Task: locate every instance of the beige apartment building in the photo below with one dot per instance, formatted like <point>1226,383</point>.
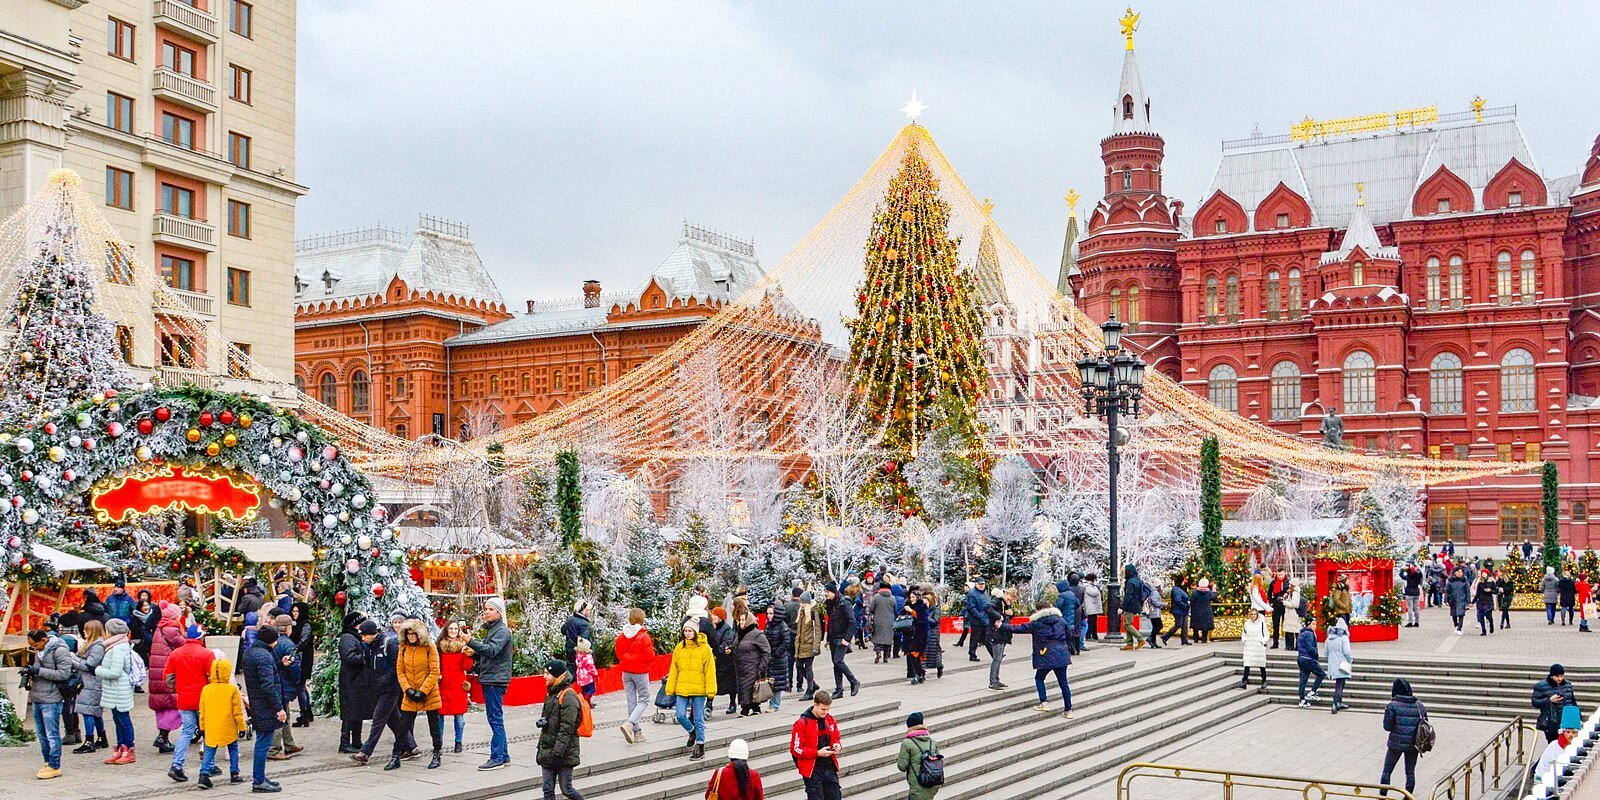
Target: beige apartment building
<point>180,117</point>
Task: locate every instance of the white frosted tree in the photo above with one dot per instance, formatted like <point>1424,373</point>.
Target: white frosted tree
<point>1010,537</point>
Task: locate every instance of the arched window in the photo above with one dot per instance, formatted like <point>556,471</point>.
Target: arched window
<point>1294,293</point>
<point>1358,273</point>
<point>1233,298</point>
<point>1528,287</point>
<point>1127,180</point>
<point>590,378</point>
<point>1222,388</point>
<point>494,384</point>
<point>300,384</point>
<point>1360,383</point>
<point>1133,309</point>
<point>360,393</point>
<point>1435,283</point>
<point>1273,300</point>
<point>1285,390</point>
<point>1127,106</point>
<point>1213,308</point>
<point>1444,384</point>
<point>400,387</point>
<point>1116,304</point>
<point>328,389</point>
<point>1516,381</point>
<point>1502,273</point>
<point>1458,282</point>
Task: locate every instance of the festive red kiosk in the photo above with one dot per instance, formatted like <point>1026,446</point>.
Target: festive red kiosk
<point>1371,582</point>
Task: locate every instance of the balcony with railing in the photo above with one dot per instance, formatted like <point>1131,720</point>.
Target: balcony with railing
<point>186,20</point>
<point>169,84</point>
<point>175,377</point>
<point>185,232</point>
<point>183,301</point>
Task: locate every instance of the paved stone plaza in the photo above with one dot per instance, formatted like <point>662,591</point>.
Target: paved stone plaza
<point>1276,739</point>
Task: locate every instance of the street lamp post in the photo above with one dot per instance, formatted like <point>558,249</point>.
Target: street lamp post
<point>1112,385</point>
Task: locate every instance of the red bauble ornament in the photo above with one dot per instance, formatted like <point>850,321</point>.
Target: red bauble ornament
<point>50,428</point>
<point>303,525</point>
<point>340,598</point>
<point>377,590</point>
<point>226,417</point>
<point>163,414</point>
<point>111,393</point>
<point>146,427</point>
<point>206,418</point>
<point>889,466</point>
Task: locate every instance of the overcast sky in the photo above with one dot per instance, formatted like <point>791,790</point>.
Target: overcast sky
<point>575,137</point>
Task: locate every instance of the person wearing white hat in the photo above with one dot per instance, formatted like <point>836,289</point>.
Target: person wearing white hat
<point>736,780</point>
<point>491,656</point>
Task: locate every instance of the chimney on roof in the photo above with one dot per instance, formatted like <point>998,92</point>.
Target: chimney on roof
<point>530,306</point>
<point>591,294</point>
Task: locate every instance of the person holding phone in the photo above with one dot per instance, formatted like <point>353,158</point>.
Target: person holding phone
<point>814,745</point>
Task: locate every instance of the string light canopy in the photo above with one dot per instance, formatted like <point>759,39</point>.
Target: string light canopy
<point>769,374</point>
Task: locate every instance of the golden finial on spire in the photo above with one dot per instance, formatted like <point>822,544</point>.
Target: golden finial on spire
<point>1361,194</point>
<point>1130,23</point>
<point>987,207</point>
<point>1072,197</point>
<point>1477,106</point>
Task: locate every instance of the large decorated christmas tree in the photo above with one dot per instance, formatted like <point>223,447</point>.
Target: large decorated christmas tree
<point>914,345</point>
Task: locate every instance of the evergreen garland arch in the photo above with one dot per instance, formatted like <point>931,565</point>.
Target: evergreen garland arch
<point>55,461</point>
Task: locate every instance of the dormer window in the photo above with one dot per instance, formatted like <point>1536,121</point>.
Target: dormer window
<point>1514,199</point>
<point>299,285</point>
<point>1127,106</point>
<point>1221,225</point>
<point>1283,219</point>
<point>328,282</point>
<point>1444,205</point>
<point>1358,272</point>
<point>1127,180</point>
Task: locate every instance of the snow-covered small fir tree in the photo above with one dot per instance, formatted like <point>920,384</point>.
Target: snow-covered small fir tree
<point>642,562</point>
<point>1010,539</point>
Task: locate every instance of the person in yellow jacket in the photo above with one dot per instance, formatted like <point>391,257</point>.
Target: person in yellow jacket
<point>691,682</point>
<point>418,669</point>
<point>221,720</point>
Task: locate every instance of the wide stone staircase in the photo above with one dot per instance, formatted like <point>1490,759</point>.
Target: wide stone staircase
<point>996,745</point>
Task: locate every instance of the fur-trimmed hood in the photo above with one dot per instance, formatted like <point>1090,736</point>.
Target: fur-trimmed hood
<point>1045,613</point>
<point>424,638</point>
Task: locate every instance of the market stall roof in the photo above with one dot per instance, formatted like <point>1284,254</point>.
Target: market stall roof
<point>460,539</point>
<point>672,534</point>
<point>269,551</point>
<point>398,492</point>
<point>65,562</point>
<point>1319,528</point>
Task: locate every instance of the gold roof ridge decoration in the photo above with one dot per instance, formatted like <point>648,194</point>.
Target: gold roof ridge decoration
<point>1310,129</point>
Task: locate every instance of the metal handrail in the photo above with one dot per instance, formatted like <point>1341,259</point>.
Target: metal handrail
<point>1229,780</point>
<point>1474,770</point>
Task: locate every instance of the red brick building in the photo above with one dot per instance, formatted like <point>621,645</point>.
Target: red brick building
<point>1415,271</point>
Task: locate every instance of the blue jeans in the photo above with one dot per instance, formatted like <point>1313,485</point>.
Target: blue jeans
<point>123,720</point>
<point>258,761</point>
<point>777,700</point>
<point>494,711</point>
<point>47,724</point>
<point>1550,613</point>
<point>208,758</point>
<point>691,714</point>
<point>1309,667</point>
<point>93,725</point>
<point>461,725</point>
<point>186,735</point>
<point>1061,680</point>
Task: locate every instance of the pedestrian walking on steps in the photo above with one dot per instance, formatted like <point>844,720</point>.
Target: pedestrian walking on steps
<point>558,732</point>
<point>1051,655</point>
<point>839,621</point>
<point>723,641</point>
<point>1504,592</point>
<point>1341,662</point>
<point>1133,596</point>
<point>814,745</point>
<point>1413,576</point>
<point>1483,593</point>
<point>1179,605</point>
<point>976,615</point>
<point>692,682</point>
<point>1457,594</point>
<point>735,780</point>
<point>1253,640</point>
<point>999,637</point>
<point>1401,718</point>
<point>1306,658</point>
<point>780,640</point>
<point>933,656</point>
<point>1201,615</point>
<point>420,675</point>
<point>1551,697</point>
<point>1277,589</point>
<point>636,653</point>
<point>914,636</point>
<point>752,664</point>
<point>917,744</point>
<point>808,631</point>
<point>1094,605</point>
<point>1548,592</point>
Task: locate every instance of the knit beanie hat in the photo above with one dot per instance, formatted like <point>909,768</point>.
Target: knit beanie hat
<point>556,668</point>
<point>1557,669</point>
<point>267,635</point>
<point>914,719</point>
<point>738,750</point>
<point>368,628</point>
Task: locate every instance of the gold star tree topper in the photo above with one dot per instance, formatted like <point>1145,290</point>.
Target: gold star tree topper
<point>1130,23</point>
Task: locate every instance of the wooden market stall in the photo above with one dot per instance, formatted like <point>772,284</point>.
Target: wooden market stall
<point>269,557</point>
<point>460,564</point>
<point>27,604</point>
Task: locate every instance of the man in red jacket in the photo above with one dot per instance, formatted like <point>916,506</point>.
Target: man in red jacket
<point>814,744</point>
<point>187,672</point>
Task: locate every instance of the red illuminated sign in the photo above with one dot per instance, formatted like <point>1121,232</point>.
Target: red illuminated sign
<point>167,487</point>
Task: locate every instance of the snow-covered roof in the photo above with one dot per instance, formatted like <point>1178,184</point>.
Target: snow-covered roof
<point>1132,87</point>
<point>458,539</point>
<point>1360,234</point>
<point>63,561</point>
<point>269,551</point>
<point>437,257</point>
<point>1392,165</point>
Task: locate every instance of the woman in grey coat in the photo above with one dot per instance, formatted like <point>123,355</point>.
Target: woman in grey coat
<point>881,610</point>
<point>1549,589</point>
<point>91,651</point>
<point>1457,592</point>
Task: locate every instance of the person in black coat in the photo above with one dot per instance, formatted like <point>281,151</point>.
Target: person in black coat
<point>1567,593</point>
<point>1401,718</point>
<point>264,693</point>
<point>382,682</point>
<point>1180,607</point>
<point>355,703</point>
<point>840,621</point>
<point>780,640</point>
<point>915,638</point>
<point>577,627</point>
<point>724,639</point>
<point>1550,697</point>
<point>1051,653</point>
<point>305,640</point>
<point>92,607</point>
<point>999,613</point>
<point>1202,619</point>
<point>752,662</point>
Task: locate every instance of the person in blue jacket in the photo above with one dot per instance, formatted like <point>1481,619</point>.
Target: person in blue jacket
<point>267,710</point>
<point>1067,603</point>
<point>1051,653</point>
<point>976,615</point>
<point>1179,606</point>
<point>1306,657</point>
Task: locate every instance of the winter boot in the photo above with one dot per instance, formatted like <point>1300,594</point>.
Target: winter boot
<point>434,762</point>
<point>204,781</point>
<point>699,752</point>
<point>394,762</point>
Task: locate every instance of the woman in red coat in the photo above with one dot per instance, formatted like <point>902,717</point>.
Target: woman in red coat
<point>168,636</point>
<point>736,780</point>
<point>454,664</point>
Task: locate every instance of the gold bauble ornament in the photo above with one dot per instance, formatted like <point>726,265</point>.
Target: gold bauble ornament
<point>245,420</point>
<point>193,435</point>
<point>213,449</point>
<point>229,439</point>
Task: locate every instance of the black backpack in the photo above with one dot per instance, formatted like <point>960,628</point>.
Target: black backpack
<point>930,768</point>
<point>1426,736</point>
